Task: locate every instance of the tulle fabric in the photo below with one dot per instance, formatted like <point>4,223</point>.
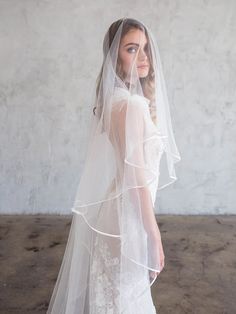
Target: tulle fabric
<point>110,250</point>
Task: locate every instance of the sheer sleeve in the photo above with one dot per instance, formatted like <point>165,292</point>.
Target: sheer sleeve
<point>131,127</point>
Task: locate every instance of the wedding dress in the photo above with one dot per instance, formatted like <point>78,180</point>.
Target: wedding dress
<point>110,250</point>
<point>105,261</point>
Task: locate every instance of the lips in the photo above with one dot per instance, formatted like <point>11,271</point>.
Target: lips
<point>143,66</point>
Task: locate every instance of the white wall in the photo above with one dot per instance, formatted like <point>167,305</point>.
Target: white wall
<point>50,53</point>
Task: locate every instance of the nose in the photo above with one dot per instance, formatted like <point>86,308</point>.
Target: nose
<point>142,55</point>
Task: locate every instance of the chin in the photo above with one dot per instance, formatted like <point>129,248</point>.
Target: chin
<point>143,73</point>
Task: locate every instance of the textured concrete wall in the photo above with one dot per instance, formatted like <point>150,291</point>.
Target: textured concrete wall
<point>50,53</point>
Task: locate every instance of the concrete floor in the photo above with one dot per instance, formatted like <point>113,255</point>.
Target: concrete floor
<point>199,275</point>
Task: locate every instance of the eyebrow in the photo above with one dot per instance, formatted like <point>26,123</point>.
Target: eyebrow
<point>133,44</point>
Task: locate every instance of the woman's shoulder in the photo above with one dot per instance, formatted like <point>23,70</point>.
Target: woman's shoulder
<point>121,94</point>
<point>132,107</point>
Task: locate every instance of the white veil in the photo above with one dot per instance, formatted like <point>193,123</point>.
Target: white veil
<point>131,153</point>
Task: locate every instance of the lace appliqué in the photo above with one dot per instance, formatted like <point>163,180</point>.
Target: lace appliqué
<point>104,279</point>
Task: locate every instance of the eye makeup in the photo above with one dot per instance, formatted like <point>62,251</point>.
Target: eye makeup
<point>135,47</point>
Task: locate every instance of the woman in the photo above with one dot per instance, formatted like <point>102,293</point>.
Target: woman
<point>114,251</point>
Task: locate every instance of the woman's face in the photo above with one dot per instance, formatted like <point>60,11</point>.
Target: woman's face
<point>133,52</point>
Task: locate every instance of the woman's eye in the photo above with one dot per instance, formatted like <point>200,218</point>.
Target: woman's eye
<point>132,49</point>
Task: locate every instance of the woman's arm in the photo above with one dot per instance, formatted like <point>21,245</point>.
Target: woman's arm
<point>132,130</point>
<point>131,133</point>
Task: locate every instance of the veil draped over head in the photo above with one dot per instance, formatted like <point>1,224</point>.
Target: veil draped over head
<point>131,154</point>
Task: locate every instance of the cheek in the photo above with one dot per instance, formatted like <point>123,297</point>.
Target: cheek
<point>127,59</point>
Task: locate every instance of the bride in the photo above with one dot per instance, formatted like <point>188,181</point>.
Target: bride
<point>114,251</point>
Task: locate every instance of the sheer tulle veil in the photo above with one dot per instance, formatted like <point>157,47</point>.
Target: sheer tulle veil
<point>130,149</point>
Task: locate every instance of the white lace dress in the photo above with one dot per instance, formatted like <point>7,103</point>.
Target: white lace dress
<point>105,288</point>
<point>105,292</point>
